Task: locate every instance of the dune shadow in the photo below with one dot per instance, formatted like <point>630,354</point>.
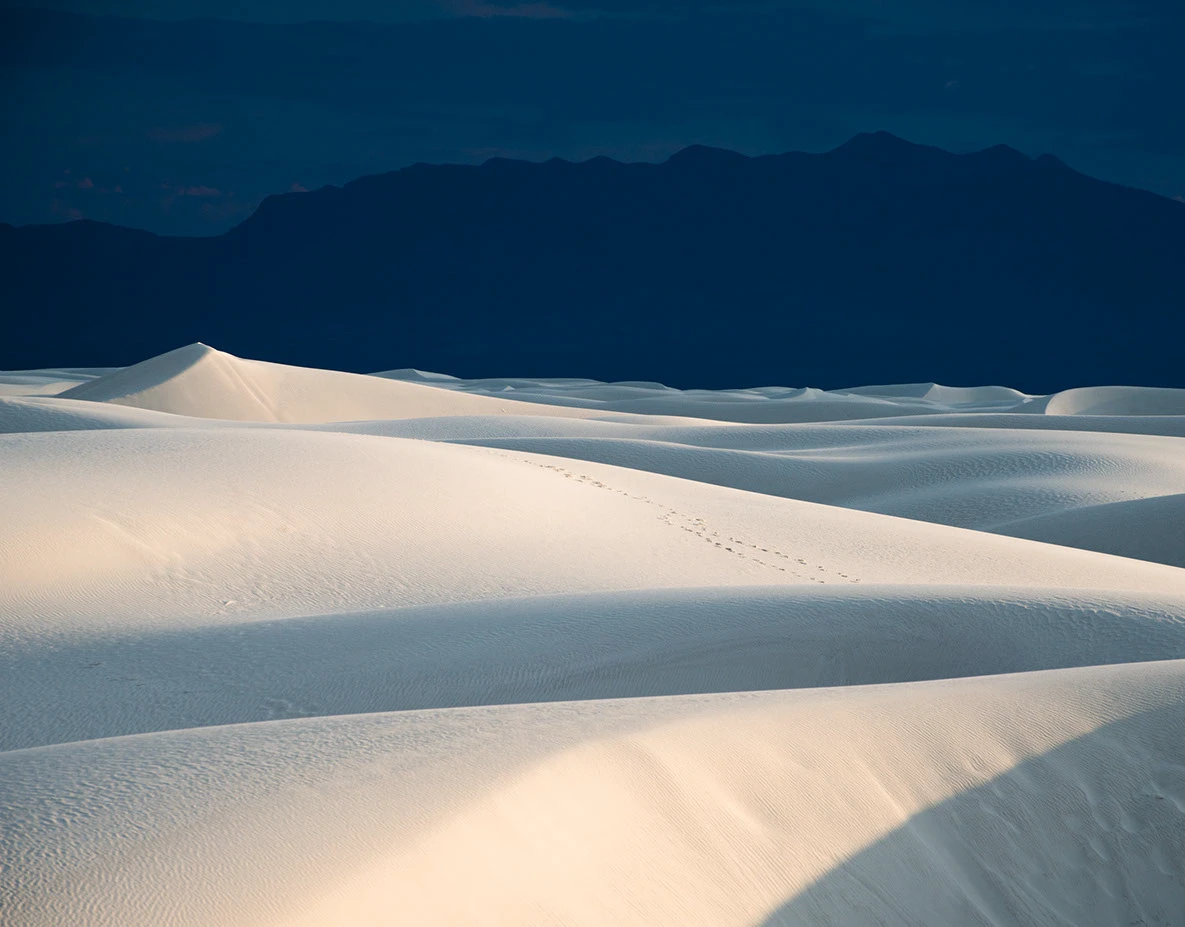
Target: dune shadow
<point>1091,832</point>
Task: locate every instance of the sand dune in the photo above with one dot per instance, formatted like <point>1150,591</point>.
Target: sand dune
<point>1148,529</point>
<point>168,526</point>
<point>1038,798</point>
<point>556,648</point>
<point>199,381</point>
<point>1001,480</point>
<point>1117,400</point>
<point>783,404</point>
<point>283,646</point>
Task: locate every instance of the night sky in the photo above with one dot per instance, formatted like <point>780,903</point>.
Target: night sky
<point>180,116</point>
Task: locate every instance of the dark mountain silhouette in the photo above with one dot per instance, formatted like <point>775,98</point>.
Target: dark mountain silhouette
<point>878,261</point>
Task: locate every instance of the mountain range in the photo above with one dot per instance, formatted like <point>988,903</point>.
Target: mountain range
<point>880,260</point>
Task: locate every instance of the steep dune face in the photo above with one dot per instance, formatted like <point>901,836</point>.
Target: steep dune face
<point>294,647</point>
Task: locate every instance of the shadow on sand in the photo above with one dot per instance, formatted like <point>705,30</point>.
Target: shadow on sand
<point>1092,832</point>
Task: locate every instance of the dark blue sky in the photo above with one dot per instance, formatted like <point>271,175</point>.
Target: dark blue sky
<point>180,116</point>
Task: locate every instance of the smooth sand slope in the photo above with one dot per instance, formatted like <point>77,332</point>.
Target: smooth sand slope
<point>287,646</point>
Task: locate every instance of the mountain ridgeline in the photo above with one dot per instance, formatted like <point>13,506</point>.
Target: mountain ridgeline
<point>879,261</point>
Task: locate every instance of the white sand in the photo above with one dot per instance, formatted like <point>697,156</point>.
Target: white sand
<point>284,646</point>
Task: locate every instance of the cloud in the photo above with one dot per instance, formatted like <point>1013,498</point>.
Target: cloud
<point>85,184</point>
<point>194,133</point>
<point>199,190</point>
<point>298,188</point>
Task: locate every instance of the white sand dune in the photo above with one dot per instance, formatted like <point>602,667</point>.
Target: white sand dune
<point>168,526</point>
<point>1149,529</point>
<point>48,382</point>
<point>945,395</point>
<point>199,381</point>
<point>1117,400</point>
<point>1000,480</point>
<point>782,404</point>
<point>282,646</point>
<point>556,648</point>
<point>1040,798</point>
<point>1172,426</point>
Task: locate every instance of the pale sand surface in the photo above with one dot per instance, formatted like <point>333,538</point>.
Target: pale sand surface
<point>285,646</point>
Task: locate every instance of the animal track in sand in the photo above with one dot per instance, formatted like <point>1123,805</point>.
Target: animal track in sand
<point>795,566</point>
